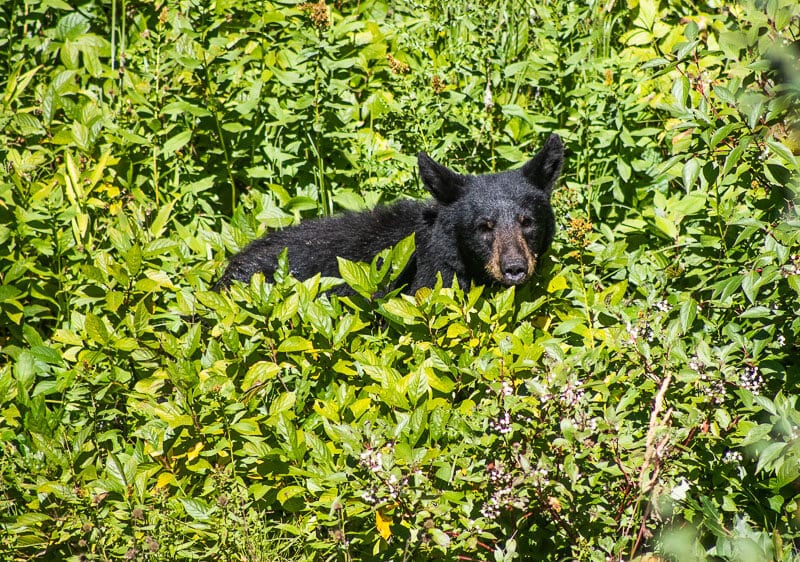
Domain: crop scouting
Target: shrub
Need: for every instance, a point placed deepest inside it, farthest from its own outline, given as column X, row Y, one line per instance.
column 639, row 399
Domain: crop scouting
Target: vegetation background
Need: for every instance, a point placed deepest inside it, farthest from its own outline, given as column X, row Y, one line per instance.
column 639, row 401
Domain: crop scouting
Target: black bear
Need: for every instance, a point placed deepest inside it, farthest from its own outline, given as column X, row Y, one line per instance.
column 483, row 229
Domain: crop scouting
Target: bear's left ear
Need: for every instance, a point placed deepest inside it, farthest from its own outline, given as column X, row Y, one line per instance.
column 542, row 170
column 445, row 184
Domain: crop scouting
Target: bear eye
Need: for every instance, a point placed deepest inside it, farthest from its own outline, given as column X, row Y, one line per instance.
column 486, row 225
column 525, row 221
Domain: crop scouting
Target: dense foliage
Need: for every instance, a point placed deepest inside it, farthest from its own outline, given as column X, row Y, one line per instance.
column 639, row 399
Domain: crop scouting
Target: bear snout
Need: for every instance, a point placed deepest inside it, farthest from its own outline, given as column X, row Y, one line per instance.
column 511, row 261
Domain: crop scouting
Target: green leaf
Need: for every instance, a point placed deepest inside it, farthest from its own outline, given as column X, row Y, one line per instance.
column 688, row 313
column 725, row 131
column 288, row 492
column 133, row 260
column 504, row 301
column 47, row 354
column 197, row 509
column 623, row 169
column 401, row 254
column 157, row 227
column 176, row 142
column 417, row 386
column 357, row 276
column 214, row 301
column 557, row 283
column 8, row 293
column 116, row 471
column 295, row 344
column 782, row 151
column 72, row 26
column 666, row 226
column 769, row 458
column 680, row 90
column 788, row 472
column 732, row 43
column 96, row 329
column 181, row 107
column 328, row 410
column 259, row 373
column 690, row 172
column 246, row 427
column 648, row 10
column 401, row 310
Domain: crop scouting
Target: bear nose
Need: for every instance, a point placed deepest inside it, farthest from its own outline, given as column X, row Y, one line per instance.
column 514, row 271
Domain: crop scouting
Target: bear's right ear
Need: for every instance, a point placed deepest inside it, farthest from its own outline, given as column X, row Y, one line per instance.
column 445, row 184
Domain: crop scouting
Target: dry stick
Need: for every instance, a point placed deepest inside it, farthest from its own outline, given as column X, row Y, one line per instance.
column 652, row 450
column 653, row 453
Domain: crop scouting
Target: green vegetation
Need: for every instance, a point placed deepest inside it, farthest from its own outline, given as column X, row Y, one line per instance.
column 638, row 400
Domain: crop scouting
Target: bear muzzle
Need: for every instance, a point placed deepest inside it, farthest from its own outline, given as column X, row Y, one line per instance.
column 511, row 261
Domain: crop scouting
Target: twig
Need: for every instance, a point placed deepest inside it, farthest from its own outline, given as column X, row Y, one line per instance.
column 653, row 450
column 653, row 455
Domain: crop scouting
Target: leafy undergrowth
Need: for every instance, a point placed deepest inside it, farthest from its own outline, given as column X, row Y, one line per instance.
column 639, row 399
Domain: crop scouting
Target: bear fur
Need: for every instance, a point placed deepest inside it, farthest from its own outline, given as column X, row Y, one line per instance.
column 486, row 229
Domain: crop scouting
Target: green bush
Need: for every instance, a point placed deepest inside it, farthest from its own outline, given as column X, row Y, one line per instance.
column 637, row 401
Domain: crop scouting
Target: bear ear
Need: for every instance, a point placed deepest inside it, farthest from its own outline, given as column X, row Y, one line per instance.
column 542, row 170
column 445, row 184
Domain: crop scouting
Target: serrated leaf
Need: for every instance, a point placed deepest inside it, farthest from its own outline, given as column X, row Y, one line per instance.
column 197, row 509
column 96, row 329
column 214, row 301
column 401, row 310
column 356, row 275
column 72, row 26
column 295, row 344
column 47, row 354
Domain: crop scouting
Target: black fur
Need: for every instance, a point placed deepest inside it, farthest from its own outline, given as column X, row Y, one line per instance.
column 483, row 229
